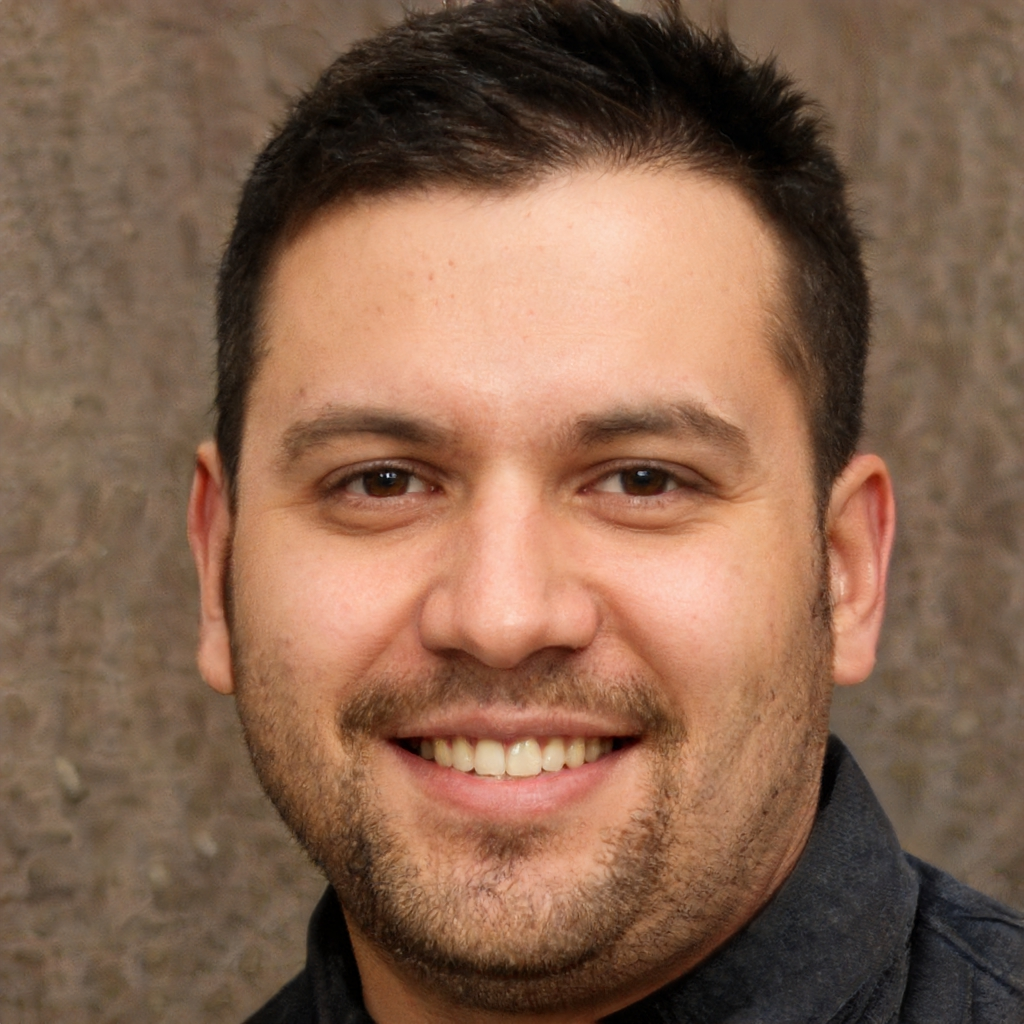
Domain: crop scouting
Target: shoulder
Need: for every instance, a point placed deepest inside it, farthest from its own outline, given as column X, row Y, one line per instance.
column 292, row 1005
column 966, row 955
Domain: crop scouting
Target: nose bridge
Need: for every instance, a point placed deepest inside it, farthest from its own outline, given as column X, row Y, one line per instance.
column 508, row 563
column 510, row 587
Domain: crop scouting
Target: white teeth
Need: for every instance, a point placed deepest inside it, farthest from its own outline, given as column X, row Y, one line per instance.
column 523, row 758
column 462, row 754
column 575, row 752
column 552, row 757
column 490, row 758
column 443, row 753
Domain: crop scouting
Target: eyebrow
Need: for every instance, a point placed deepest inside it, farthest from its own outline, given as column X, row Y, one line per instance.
column 337, row 422
column 679, row 419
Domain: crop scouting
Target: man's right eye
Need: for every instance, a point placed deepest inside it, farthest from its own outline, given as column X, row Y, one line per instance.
column 385, row 482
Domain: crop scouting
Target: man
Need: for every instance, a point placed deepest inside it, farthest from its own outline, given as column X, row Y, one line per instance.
column 534, row 538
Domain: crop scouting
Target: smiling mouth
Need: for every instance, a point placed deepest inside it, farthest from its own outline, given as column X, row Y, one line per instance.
column 521, row 758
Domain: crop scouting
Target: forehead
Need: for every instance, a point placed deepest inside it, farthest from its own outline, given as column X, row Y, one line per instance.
column 560, row 293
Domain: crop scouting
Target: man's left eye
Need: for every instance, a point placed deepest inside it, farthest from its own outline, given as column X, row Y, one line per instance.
column 638, row 482
column 387, row 482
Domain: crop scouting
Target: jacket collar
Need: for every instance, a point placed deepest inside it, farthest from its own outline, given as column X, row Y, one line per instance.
column 831, row 945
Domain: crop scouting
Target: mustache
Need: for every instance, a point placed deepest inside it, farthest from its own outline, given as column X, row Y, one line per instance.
column 385, row 702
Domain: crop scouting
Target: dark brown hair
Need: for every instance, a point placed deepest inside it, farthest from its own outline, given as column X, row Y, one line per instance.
column 496, row 94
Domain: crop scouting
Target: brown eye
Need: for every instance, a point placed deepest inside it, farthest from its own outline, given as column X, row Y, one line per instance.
column 645, row 482
column 386, row 482
column 639, row 482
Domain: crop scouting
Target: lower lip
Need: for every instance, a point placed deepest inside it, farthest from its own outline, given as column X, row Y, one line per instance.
column 533, row 797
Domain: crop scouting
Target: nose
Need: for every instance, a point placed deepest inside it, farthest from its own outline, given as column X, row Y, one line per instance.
column 510, row 585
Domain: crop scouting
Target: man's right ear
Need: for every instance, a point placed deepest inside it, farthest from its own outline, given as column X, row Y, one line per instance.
column 209, row 536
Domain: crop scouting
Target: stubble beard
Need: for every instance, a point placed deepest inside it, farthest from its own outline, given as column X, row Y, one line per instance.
column 475, row 928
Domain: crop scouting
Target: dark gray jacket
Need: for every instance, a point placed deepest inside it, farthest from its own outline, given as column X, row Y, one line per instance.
column 860, row 933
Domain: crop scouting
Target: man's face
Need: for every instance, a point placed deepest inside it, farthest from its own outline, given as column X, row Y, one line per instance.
column 521, row 473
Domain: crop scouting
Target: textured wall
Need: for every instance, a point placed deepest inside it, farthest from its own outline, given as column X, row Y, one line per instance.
column 142, row 876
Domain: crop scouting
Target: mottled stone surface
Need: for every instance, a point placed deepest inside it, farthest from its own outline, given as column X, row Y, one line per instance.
column 142, row 875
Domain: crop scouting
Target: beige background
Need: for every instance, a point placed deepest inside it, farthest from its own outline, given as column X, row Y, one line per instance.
column 142, row 876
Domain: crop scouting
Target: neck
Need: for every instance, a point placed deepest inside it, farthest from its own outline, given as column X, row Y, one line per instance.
column 392, row 997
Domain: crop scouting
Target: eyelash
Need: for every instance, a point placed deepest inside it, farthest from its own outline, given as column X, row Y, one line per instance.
column 663, row 481
column 670, row 481
column 340, row 485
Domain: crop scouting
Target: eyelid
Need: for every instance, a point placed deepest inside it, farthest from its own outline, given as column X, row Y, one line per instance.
column 682, row 477
column 336, row 481
column 670, row 484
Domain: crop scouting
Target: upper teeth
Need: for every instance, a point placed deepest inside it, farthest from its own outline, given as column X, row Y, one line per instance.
column 520, row 759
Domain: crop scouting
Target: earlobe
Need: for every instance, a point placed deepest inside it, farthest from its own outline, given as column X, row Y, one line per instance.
column 209, row 536
column 860, row 528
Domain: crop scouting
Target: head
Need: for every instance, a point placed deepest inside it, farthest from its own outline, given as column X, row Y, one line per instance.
column 533, row 539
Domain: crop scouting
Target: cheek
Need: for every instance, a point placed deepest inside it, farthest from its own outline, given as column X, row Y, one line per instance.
column 711, row 619
column 323, row 606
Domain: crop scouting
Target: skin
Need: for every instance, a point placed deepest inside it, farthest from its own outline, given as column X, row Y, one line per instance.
column 607, row 527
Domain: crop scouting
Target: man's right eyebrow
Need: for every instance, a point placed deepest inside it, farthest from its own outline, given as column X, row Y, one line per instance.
column 331, row 424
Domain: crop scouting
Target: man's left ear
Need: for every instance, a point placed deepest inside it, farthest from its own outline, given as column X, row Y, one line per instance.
column 860, row 527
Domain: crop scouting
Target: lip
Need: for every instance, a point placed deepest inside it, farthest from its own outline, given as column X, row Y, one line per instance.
column 508, row 724
column 504, row 800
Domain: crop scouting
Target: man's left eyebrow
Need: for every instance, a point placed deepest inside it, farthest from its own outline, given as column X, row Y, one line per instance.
column 682, row 419
column 334, row 423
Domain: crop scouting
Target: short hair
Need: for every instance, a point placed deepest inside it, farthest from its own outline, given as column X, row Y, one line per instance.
column 496, row 95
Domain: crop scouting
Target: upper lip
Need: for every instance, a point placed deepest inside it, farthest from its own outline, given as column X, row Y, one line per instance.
column 512, row 723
